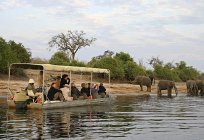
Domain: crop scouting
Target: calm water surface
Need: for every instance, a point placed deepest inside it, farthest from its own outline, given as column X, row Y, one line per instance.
column 128, row 118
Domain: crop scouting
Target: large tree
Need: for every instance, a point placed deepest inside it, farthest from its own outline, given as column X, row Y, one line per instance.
column 71, row 42
column 23, row 54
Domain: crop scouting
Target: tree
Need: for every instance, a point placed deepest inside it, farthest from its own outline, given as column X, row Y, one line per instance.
column 132, row 70
column 59, row 58
column 155, row 61
column 107, row 53
column 12, row 52
column 124, row 57
column 71, row 42
column 109, row 63
column 186, row 72
column 22, row 54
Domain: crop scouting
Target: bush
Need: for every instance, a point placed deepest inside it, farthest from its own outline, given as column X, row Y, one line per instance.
column 77, row 63
column 59, row 58
column 165, row 73
column 109, row 63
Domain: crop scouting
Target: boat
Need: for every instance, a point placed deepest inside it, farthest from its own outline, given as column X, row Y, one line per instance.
column 47, row 104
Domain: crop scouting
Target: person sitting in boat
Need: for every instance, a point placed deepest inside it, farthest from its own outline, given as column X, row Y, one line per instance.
column 102, row 90
column 54, row 93
column 94, row 90
column 64, row 81
column 75, row 93
column 31, row 90
column 84, row 90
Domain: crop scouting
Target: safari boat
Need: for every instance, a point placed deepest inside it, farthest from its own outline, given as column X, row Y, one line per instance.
column 48, row 69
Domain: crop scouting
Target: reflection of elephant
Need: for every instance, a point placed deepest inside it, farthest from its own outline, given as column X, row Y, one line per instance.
column 166, row 85
column 192, row 88
column 143, row 81
column 152, row 78
column 200, row 85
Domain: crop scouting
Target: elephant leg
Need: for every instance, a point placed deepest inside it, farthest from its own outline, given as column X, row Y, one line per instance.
column 201, row 92
column 169, row 92
column 159, row 92
column 196, row 92
column 141, row 87
column 148, row 88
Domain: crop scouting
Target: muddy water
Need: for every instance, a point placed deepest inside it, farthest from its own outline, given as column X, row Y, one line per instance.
column 128, row 118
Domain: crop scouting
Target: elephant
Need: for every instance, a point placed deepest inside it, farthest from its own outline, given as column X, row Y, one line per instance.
column 200, row 85
column 192, row 88
column 152, row 78
column 166, row 85
column 143, row 81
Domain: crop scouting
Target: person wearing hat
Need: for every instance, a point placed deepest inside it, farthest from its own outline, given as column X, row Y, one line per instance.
column 33, row 92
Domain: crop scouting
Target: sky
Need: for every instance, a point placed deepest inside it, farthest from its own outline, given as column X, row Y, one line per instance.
column 172, row 30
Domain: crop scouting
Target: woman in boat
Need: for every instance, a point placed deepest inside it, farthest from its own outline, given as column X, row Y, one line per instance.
column 75, row 93
column 94, row 90
column 54, row 93
column 31, row 90
column 102, row 90
column 64, row 81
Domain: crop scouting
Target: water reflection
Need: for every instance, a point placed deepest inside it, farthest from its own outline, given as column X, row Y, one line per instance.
column 128, row 118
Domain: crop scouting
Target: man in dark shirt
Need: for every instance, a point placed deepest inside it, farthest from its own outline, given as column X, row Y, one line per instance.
column 54, row 93
column 102, row 90
column 64, row 81
column 75, row 93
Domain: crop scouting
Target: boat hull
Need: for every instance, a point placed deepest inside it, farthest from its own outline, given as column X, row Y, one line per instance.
column 67, row 104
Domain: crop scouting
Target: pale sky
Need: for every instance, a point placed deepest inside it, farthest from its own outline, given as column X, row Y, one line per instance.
column 172, row 30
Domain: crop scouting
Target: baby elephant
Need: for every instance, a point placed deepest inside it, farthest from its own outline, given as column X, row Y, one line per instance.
column 166, row 85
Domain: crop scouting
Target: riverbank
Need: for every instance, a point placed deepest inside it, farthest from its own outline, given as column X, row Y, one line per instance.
column 115, row 88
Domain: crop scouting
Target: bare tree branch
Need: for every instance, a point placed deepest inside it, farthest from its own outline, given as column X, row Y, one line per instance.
column 71, row 42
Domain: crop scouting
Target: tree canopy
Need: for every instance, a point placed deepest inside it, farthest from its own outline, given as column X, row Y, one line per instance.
column 12, row 52
column 71, row 42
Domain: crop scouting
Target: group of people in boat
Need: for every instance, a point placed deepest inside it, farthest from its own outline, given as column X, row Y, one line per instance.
column 60, row 90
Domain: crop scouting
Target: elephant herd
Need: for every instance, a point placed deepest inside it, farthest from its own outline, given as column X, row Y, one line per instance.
column 194, row 87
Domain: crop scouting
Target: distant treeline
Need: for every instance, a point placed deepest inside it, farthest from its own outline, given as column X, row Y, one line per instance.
column 121, row 65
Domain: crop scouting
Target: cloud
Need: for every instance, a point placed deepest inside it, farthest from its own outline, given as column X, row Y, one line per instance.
column 143, row 28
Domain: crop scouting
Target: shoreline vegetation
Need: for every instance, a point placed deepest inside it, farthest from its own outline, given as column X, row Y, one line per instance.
column 115, row 87
column 123, row 67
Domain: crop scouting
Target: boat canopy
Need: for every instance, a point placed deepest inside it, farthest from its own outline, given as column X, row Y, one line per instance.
column 49, row 67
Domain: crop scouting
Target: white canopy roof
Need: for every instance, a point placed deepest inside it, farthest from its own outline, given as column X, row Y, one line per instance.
column 49, row 67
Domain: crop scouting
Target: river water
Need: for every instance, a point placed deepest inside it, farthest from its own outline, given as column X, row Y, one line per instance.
column 129, row 117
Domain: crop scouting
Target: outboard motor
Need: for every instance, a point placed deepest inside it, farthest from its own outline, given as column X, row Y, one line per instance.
column 21, row 100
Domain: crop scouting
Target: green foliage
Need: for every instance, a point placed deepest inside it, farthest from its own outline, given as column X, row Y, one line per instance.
column 124, row 57
column 111, row 64
column 185, row 72
column 149, row 72
column 22, row 54
column 59, row 58
column 12, row 52
column 179, row 72
column 132, row 70
column 201, row 76
column 77, row 63
column 165, row 73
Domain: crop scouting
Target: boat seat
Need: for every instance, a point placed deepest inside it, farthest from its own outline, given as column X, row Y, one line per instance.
column 31, row 95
